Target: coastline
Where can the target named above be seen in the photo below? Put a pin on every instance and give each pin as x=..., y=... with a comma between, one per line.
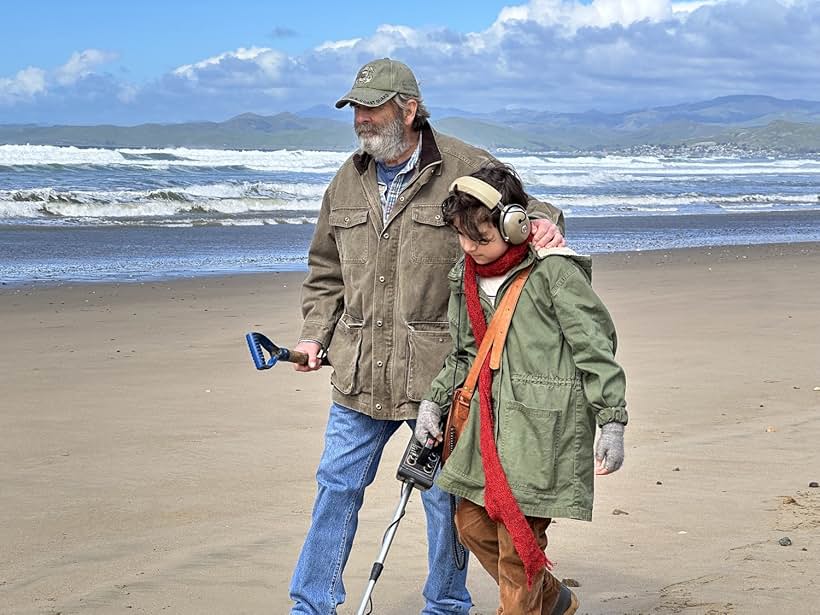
x=146, y=464
x=40, y=256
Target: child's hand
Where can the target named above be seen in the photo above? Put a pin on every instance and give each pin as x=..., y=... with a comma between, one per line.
x=609, y=452
x=428, y=422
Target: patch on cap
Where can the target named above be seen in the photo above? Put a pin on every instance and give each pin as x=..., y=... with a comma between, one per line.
x=365, y=75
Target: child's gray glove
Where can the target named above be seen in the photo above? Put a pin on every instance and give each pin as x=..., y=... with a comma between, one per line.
x=428, y=422
x=609, y=452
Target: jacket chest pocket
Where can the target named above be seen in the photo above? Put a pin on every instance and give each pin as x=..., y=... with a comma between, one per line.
x=432, y=241
x=352, y=237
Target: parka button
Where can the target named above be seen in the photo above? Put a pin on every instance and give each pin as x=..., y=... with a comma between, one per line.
x=379, y=323
x=401, y=198
x=381, y=278
x=347, y=218
x=386, y=235
x=379, y=363
x=378, y=406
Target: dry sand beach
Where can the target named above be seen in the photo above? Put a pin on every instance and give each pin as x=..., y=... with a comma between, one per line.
x=146, y=467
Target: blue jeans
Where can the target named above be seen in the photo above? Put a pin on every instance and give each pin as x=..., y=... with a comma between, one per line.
x=354, y=443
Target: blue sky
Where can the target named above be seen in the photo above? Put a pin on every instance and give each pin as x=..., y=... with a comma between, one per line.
x=97, y=62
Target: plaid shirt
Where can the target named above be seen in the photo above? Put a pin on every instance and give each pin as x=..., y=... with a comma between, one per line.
x=390, y=194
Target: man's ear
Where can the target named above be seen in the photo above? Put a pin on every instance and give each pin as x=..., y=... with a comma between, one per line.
x=410, y=112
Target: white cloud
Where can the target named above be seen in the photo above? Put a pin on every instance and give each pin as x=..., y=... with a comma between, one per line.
x=26, y=84
x=337, y=45
x=693, y=5
x=266, y=61
x=570, y=15
x=34, y=82
x=81, y=64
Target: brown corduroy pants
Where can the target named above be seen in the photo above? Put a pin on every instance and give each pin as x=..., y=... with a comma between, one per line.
x=492, y=545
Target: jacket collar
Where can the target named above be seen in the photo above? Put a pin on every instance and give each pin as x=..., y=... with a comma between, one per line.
x=429, y=152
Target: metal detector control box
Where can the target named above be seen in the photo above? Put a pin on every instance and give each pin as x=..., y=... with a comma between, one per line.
x=419, y=464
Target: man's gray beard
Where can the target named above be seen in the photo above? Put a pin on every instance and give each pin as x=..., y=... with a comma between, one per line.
x=387, y=143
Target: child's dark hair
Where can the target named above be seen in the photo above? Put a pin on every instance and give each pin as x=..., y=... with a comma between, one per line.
x=470, y=214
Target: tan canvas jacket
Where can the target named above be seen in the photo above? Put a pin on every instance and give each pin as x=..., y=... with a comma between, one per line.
x=376, y=294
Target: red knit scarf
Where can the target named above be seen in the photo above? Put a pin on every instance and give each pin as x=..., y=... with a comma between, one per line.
x=499, y=500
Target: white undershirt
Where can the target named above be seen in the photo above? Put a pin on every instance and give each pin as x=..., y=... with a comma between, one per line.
x=491, y=285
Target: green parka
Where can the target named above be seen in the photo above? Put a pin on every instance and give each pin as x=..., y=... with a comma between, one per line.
x=376, y=294
x=557, y=378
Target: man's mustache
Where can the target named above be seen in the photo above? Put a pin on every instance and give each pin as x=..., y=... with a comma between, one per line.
x=365, y=128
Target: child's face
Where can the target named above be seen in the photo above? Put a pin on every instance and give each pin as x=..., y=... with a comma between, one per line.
x=491, y=247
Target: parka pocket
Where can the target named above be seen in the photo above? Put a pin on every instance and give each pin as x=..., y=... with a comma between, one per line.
x=344, y=353
x=432, y=241
x=528, y=440
x=427, y=346
x=352, y=237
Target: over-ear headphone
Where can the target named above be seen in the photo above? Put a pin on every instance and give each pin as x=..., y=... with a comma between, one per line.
x=513, y=223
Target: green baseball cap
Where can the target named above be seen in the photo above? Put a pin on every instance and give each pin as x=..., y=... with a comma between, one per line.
x=379, y=81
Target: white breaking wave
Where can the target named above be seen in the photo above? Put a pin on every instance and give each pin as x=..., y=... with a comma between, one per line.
x=591, y=171
x=224, y=198
x=151, y=209
x=658, y=202
x=288, y=186
x=303, y=161
x=307, y=161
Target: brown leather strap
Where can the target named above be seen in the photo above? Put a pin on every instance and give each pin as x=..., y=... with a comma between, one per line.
x=496, y=333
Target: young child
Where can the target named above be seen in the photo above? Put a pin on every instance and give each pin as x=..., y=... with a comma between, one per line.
x=526, y=452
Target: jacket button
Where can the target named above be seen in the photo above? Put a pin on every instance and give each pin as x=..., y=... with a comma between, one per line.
x=347, y=219
x=401, y=198
x=378, y=406
x=379, y=323
x=386, y=235
x=379, y=363
x=381, y=278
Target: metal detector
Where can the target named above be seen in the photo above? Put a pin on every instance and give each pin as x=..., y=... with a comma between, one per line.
x=417, y=468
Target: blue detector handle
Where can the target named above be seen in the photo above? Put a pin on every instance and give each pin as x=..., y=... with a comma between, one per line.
x=258, y=344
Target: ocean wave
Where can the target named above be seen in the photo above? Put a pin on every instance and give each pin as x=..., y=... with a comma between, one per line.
x=168, y=195
x=303, y=161
x=322, y=162
x=158, y=155
x=580, y=171
x=659, y=202
x=216, y=198
x=158, y=222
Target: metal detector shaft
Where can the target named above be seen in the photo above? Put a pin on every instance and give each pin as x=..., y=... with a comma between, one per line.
x=378, y=565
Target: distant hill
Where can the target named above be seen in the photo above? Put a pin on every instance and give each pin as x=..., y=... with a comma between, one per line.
x=246, y=131
x=754, y=124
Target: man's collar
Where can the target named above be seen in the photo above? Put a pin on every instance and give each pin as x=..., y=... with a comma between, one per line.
x=429, y=152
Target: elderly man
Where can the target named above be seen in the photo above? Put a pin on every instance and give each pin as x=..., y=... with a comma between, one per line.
x=376, y=299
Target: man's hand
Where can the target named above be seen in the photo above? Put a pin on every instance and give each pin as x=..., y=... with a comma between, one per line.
x=311, y=349
x=609, y=452
x=428, y=422
x=545, y=234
